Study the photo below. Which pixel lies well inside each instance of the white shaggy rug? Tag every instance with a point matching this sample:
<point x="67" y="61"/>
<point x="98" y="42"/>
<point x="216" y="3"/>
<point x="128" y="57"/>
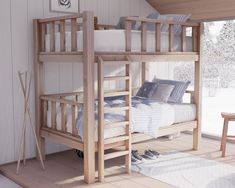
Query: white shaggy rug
<point x="188" y="171"/>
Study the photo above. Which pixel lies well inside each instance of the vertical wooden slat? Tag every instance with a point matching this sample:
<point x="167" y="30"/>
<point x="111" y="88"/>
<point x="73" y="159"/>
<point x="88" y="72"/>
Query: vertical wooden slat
<point x="43" y="33"/>
<point x="171" y="38"/>
<point x="52" y="36"/>
<point x="64" y="118"/>
<point x="128" y="118"/>
<point x="194" y="39"/>
<point x="128" y="35"/>
<point x="184" y="46"/>
<point x="44" y="113"/>
<point x="158" y="37"/>
<point x="62" y="35"/>
<point x="77" y="98"/>
<point x="101" y="120"/>
<point x="74" y="34"/>
<point x="89" y="97"/>
<point x="53" y="115"/>
<point x="74" y="120"/>
<point x="144" y="71"/>
<point x="143" y="49"/>
<point x="198" y="90"/>
<point x="143" y="37"/>
<point x="38" y="88"/>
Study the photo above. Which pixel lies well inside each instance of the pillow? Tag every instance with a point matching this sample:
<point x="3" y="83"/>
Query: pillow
<point x="178" y="91"/>
<point x="176" y="18"/>
<point x="121" y="23"/>
<point x="146" y="89"/>
<point x="162" y="92"/>
<point x="151" y="26"/>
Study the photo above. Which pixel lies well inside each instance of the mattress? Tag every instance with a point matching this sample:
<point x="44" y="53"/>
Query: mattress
<point x="168" y="114"/>
<point x="114" y="41"/>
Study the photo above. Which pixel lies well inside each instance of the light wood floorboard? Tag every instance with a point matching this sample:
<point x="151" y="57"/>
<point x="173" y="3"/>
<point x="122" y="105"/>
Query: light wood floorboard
<point x="64" y="170"/>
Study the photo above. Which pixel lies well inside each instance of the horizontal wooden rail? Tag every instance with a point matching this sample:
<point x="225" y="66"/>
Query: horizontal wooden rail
<point x="174" y="29"/>
<point x="105" y="26"/>
<point x="54" y="19"/>
<point x="148" y="20"/>
<point x="61" y="101"/>
<point x="65" y="94"/>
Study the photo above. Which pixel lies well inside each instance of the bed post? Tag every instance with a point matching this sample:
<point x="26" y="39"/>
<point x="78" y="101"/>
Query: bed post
<point x="144" y="71"/>
<point x="198" y="90"/>
<point x="39" y="88"/>
<point x="88" y="84"/>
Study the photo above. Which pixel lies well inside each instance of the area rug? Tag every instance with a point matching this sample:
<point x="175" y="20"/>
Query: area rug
<point x="188" y="171"/>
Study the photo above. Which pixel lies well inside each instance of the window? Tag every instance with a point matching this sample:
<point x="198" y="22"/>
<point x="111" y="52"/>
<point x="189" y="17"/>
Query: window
<point x="218" y="75"/>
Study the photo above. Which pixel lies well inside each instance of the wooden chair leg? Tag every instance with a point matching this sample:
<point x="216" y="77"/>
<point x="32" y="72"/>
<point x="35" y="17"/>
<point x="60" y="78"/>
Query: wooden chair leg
<point x="224" y="137"/>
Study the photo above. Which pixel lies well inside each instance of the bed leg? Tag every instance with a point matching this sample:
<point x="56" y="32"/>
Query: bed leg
<point x="41" y="143"/>
<point x="196" y="138"/>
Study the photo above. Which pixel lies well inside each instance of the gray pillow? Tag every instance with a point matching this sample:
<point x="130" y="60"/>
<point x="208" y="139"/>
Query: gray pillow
<point x="147" y="89"/>
<point x="162" y="92"/>
<point x="121" y="23"/>
<point x="176" y="18"/>
<point x="151" y="26"/>
<point x="178" y="91"/>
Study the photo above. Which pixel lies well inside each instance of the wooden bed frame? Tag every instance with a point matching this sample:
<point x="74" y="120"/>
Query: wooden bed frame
<point x="87" y="97"/>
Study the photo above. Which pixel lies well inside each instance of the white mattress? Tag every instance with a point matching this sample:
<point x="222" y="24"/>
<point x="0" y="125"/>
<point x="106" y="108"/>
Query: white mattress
<point x="174" y="113"/>
<point x="114" y="40"/>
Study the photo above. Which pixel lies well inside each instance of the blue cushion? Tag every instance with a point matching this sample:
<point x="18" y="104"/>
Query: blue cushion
<point x="178" y="91"/>
<point x="147" y="89"/>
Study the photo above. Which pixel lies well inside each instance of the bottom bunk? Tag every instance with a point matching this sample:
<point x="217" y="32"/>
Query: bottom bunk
<point x="62" y="120"/>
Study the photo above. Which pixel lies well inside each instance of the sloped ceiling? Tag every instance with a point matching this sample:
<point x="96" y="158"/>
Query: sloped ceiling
<point x="205" y="10"/>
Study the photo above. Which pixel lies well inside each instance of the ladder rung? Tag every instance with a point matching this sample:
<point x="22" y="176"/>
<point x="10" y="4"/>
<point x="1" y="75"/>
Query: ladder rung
<point x="116" y="109"/>
<point x="117" y="93"/>
<point x="117" y="124"/>
<point x="116" y="154"/>
<point x="117" y="62"/>
<point x="116" y="139"/>
<point x="116" y="78"/>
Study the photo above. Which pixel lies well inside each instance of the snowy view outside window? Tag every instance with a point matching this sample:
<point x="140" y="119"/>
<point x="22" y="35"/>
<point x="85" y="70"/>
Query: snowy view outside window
<point x="218" y="75"/>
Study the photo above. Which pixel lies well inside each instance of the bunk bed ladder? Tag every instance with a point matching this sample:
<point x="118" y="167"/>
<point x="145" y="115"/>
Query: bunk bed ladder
<point x="125" y="139"/>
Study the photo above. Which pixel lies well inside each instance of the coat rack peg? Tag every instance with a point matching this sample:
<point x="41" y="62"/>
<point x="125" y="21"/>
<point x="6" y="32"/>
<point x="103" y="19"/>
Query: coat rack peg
<point x="25" y="79"/>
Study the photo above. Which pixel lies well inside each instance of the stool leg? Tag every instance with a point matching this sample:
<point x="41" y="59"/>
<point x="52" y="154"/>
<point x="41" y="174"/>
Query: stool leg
<point x="224" y="137"/>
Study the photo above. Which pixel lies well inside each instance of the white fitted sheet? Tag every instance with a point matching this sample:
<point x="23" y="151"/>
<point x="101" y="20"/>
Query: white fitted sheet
<point x="114" y="41"/>
<point x="171" y="114"/>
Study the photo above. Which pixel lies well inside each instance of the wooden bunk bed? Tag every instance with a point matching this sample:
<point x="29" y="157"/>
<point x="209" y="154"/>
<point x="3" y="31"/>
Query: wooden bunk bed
<point x="88" y="57"/>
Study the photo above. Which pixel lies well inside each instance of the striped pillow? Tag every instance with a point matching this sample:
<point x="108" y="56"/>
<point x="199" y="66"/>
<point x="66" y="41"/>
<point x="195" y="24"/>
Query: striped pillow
<point x="151" y="26"/>
<point x="176" y="18"/>
<point x="178" y="91"/>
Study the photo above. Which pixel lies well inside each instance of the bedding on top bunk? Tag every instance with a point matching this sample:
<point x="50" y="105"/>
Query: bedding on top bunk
<point x="114" y="41"/>
<point x="147" y="117"/>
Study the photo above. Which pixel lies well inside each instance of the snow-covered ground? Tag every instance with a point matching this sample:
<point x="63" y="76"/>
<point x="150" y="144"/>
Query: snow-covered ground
<point x="224" y="101"/>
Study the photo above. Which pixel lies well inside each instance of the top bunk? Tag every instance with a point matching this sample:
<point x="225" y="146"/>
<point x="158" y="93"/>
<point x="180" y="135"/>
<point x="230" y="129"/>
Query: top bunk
<point x="63" y="39"/>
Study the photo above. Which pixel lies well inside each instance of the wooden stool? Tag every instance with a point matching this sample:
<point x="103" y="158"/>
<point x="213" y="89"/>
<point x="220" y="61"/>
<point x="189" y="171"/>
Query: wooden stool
<point x="227" y="117"/>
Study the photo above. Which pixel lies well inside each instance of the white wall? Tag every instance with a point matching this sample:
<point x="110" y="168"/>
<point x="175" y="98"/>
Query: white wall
<point x="16" y="52"/>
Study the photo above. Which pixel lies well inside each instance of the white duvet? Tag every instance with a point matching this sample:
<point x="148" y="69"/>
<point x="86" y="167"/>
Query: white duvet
<point x="147" y="117"/>
<point x="115" y="41"/>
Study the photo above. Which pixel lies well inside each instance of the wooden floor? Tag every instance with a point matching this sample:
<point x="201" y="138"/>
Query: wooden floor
<point x="65" y="169"/>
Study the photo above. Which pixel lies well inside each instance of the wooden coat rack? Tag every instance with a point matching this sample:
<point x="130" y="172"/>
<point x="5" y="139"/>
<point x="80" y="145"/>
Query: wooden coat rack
<point x="25" y="81"/>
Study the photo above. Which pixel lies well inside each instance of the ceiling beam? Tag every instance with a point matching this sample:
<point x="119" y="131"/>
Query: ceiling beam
<point x="202" y="10"/>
